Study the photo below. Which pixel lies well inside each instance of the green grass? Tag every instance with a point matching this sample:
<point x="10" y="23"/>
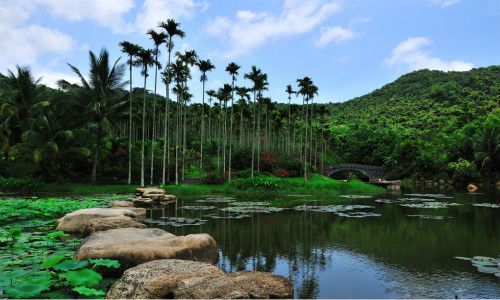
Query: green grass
<point x="88" y="188"/>
<point x="319" y="188"/>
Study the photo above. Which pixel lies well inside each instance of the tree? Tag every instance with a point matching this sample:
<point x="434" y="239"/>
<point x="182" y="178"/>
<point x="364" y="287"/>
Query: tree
<point x="232" y="69"/>
<point x="146" y="60"/>
<point x="254" y="76"/>
<point x="172" y="29"/>
<point x="158" y="39"/>
<point x="290" y="92"/>
<point x="305" y="90"/>
<point x="204" y="66"/>
<point x="131" y="50"/>
<point x="101" y="94"/>
<point x="243" y="97"/>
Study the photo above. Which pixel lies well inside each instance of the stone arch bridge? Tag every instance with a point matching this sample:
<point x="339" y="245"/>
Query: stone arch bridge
<point x="374" y="173"/>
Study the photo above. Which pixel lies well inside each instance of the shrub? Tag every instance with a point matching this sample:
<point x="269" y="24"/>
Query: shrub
<point x="260" y="182"/>
<point x="10" y="184"/>
<point x="463" y="170"/>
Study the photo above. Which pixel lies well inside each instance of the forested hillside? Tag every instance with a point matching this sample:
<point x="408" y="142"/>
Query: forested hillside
<point x="423" y="121"/>
<point x="426" y="124"/>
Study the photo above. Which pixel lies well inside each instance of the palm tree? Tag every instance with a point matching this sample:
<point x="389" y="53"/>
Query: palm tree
<point x="131" y="50"/>
<point x="189" y="58"/>
<point x="146" y="60"/>
<point x="211" y="95"/>
<point x="25" y="89"/>
<point x="101" y="95"/>
<point x="261" y="86"/>
<point x="254" y="76"/>
<point x="204" y="66"/>
<point x="307" y="90"/>
<point x="243" y="97"/>
<point x="158" y="39"/>
<point x="172" y="29"/>
<point x="232" y="68"/>
<point x="290" y="92"/>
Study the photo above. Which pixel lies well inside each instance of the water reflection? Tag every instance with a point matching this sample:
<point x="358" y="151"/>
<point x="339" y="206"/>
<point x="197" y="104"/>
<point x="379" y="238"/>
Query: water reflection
<point x="392" y="256"/>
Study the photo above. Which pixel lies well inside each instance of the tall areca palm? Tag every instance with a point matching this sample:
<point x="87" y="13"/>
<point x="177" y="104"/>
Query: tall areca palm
<point x="158" y="39"/>
<point x="262" y="85"/>
<point x="172" y="29"/>
<point x="101" y="96"/>
<point x="189" y="58"/>
<point x="254" y="76"/>
<point x="204" y="66"/>
<point x="232" y="68"/>
<point x="146" y="60"/>
<point x="306" y="88"/>
<point x="131" y="50"/>
<point x="211" y="95"/>
<point x="243" y="97"/>
<point x="289" y="90"/>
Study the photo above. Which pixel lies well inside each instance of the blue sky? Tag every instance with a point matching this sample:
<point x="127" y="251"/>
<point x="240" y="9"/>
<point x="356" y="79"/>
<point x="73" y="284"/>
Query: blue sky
<point x="348" y="47"/>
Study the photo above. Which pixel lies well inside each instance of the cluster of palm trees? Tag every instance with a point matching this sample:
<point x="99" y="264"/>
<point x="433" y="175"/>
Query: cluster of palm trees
<point x="177" y="72"/>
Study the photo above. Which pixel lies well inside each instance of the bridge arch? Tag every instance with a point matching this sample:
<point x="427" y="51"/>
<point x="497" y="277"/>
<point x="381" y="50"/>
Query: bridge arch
<point x="374" y="173"/>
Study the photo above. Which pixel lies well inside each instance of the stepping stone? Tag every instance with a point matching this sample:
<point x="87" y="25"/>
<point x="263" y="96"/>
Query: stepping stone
<point x="79" y="221"/>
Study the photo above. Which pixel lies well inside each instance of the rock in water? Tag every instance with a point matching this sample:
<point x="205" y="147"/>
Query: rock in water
<point x="472" y="188"/>
<point x="133" y="246"/>
<point x="159" y="278"/>
<point x="121" y="203"/>
<point x="79" y="221"/>
<point x="173" y="278"/>
<point x="239" y="285"/>
<point x="104" y="224"/>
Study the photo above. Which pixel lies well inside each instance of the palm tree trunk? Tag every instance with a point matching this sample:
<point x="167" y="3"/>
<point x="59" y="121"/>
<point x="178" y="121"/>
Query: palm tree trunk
<point x="97" y="150"/>
<point x="154" y="120"/>
<point x="129" y="181"/>
<point x="143" y="130"/>
<point x="166" y="148"/>
<point x="202" y="126"/>
<point x="289" y="148"/>
<point x="305" y="145"/>
<point x="231" y="131"/>
<point x="253" y="134"/>
<point x="177" y="139"/>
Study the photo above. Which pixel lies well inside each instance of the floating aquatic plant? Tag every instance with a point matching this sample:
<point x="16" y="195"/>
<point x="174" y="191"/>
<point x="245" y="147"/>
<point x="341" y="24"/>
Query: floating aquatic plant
<point x="330" y="208"/>
<point x="198" y="207"/>
<point x="249" y="203"/>
<point x="484" y="264"/>
<point x="355" y="196"/>
<point x="216" y="200"/>
<point x="357" y="214"/>
<point x="441" y="196"/>
<point x="430" y="217"/>
<point x="178" y="222"/>
<point x="433" y="205"/>
<point x="229" y="215"/>
<point x="252" y="209"/>
<point x="489" y="205"/>
<point x="386" y="201"/>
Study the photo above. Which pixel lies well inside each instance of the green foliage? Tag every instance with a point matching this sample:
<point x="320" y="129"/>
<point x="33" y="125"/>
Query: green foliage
<point x="85" y="291"/>
<point x="109" y="263"/>
<point x="9" y="184"/>
<point x="69" y="265"/>
<point x="463" y="170"/>
<point x="30" y="288"/>
<point x="260" y="182"/>
<point x="52" y="261"/>
<point x="85" y="277"/>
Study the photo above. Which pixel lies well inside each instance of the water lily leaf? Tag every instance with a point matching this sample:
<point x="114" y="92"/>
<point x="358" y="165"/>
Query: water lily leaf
<point x="489" y="205"/>
<point x="488" y="270"/>
<point x="30" y="287"/>
<point x="88" y="291"/>
<point x="70" y="265"/>
<point x="463" y="258"/>
<point x="85" y="277"/>
<point x="198" y="207"/>
<point x="57" y="234"/>
<point x="497" y="274"/>
<point x="52" y="261"/>
<point x="109" y="263"/>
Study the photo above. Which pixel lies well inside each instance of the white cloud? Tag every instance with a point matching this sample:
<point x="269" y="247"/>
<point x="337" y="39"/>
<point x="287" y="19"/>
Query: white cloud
<point x="154" y="11"/>
<point x="250" y="30"/>
<point x="445" y="3"/>
<point x="410" y="52"/>
<point x="106" y="13"/>
<point x="334" y="34"/>
<point x="50" y="78"/>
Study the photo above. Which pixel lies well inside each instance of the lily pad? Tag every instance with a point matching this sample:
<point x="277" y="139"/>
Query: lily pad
<point x="198" y="207"/>
<point x="330" y="208"/>
<point x="251" y="209"/>
<point x="355" y="196"/>
<point x="252" y="204"/>
<point x="358" y="214"/>
<point x="440" y="196"/>
<point x="229" y="215"/>
<point x="386" y="201"/>
<point x="433" y="205"/>
<point x="488" y="270"/>
<point x="216" y="200"/>
<point x="178" y="222"/>
<point x="463" y="258"/>
<point x="489" y="205"/>
<point x="430" y="217"/>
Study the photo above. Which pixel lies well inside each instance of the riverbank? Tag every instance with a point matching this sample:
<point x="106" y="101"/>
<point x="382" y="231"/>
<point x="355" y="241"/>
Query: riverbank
<point x="286" y="192"/>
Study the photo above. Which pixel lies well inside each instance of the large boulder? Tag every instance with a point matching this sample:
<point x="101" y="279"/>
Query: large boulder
<point x="80" y="220"/>
<point x="140" y="211"/>
<point x="143" y="202"/>
<point x="172" y="278"/>
<point x="159" y="278"/>
<point x="121" y="203"/>
<point x="239" y="285"/>
<point x="103" y="224"/>
<point x="133" y="246"/>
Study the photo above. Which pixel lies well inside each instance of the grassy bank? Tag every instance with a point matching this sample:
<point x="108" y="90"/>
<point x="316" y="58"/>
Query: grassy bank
<point x="283" y="192"/>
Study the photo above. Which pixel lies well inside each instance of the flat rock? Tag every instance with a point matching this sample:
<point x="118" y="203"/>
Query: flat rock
<point x="143" y="202"/>
<point x="159" y="278"/>
<point x="140" y="211"/>
<point x="134" y="246"/>
<point x="173" y="278"/>
<point x="121" y="203"/>
<point x="238" y="285"/>
<point x="80" y="220"/>
<point x="103" y="224"/>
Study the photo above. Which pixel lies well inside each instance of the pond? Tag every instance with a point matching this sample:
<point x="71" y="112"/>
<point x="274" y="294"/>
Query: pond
<point x="394" y="246"/>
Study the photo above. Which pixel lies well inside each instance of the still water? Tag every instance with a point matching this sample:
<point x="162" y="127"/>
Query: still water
<point x="394" y="255"/>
